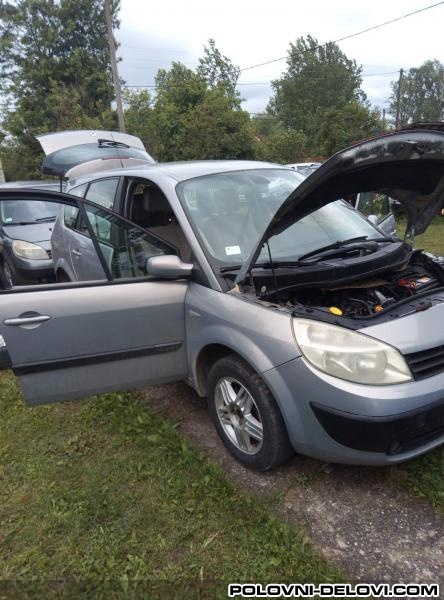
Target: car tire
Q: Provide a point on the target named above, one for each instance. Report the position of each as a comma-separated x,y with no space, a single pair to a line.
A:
62,277
246,415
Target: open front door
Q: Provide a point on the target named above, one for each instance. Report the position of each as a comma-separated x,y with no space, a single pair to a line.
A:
65,341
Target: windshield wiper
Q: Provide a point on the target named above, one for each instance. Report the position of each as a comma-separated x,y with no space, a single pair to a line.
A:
19,223
265,265
228,269
45,219
301,261
111,144
341,243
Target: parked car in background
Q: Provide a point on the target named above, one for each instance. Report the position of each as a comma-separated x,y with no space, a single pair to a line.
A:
25,234
26,229
36,184
375,206
306,168
305,326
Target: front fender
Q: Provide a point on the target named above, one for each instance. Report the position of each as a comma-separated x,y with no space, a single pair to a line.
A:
63,264
260,335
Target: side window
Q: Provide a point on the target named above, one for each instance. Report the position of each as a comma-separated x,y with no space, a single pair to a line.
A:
103,192
126,248
70,216
79,190
371,203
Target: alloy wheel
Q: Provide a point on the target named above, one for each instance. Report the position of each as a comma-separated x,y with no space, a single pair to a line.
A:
239,415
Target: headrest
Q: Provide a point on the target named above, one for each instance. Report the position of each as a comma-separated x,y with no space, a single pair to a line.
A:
154,200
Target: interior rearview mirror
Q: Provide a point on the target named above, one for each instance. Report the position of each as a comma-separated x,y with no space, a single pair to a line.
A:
168,267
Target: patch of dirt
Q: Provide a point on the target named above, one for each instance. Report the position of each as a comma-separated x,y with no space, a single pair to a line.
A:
355,516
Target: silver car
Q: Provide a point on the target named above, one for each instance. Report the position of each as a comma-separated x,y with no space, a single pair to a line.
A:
306,327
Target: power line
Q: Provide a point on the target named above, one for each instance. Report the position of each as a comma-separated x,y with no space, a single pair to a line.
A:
159,50
317,77
150,60
347,37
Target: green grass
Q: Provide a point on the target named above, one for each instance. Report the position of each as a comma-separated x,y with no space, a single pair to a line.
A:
433,239
424,477
106,495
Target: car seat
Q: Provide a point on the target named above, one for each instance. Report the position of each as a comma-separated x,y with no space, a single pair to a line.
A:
158,218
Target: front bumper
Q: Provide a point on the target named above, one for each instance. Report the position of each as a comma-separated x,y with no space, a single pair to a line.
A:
32,271
392,435
339,421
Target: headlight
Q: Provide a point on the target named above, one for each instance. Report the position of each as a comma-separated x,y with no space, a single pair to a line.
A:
349,355
28,250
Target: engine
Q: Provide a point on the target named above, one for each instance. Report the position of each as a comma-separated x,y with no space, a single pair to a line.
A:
369,296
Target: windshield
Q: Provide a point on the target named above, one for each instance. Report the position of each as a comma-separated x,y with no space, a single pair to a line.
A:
232,210
14,212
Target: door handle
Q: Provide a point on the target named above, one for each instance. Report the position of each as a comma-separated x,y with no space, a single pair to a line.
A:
34,320
76,253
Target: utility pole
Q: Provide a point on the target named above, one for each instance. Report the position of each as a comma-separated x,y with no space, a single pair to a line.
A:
398,99
383,120
441,98
112,53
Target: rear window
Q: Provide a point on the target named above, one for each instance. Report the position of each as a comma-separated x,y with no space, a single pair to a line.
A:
67,158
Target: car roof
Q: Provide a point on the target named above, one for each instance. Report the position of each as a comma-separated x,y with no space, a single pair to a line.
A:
180,171
48,184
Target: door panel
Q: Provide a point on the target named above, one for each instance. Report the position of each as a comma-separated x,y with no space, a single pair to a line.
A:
68,341
84,259
97,339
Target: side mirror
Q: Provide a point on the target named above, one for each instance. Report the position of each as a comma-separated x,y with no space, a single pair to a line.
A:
168,267
373,219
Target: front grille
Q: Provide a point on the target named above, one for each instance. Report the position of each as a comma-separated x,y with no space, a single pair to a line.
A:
49,253
426,362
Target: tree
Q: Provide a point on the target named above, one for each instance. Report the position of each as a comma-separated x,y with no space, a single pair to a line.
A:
276,143
218,70
139,108
340,127
318,78
194,115
54,68
422,94
289,146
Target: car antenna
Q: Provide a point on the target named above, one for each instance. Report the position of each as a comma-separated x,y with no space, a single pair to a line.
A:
272,271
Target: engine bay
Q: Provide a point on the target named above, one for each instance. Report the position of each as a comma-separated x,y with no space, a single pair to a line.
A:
365,296
370,296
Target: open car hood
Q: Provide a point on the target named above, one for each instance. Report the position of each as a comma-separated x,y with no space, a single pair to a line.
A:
406,165
74,153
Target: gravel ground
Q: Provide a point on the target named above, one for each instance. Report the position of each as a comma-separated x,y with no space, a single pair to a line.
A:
355,516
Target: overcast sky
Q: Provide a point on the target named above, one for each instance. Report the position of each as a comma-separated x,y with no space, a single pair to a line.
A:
153,34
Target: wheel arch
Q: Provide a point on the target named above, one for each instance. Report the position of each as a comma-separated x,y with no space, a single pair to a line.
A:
211,352
61,265
207,357
62,275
